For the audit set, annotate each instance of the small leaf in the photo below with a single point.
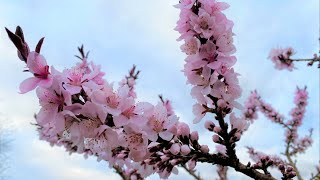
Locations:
(19, 33)
(38, 48)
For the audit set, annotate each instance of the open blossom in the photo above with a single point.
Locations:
(209, 45)
(281, 58)
(185, 4)
(37, 65)
(78, 76)
(203, 24)
(112, 101)
(52, 102)
(191, 46)
(159, 124)
(238, 123)
(136, 140)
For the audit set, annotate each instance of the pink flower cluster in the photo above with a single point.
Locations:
(281, 58)
(86, 114)
(208, 42)
(255, 103)
(251, 107)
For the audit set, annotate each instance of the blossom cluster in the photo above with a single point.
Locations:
(208, 42)
(281, 58)
(86, 114)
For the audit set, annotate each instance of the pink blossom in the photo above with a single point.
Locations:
(204, 149)
(203, 24)
(175, 148)
(38, 67)
(159, 123)
(281, 58)
(238, 123)
(191, 46)
(136, 140)
(185, 4)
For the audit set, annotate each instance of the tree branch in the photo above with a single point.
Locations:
(119, 171)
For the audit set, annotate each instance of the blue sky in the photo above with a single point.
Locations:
(121, 33)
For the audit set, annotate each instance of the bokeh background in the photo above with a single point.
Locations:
(122, 33)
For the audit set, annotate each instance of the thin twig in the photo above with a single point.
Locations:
(191, 172)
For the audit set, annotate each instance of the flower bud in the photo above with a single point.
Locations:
(194, 136)
(215, 138)
(217, 129)
(209, 125)
(292, 174)
(185, 150)
(204, 149)
(164, 158)
(289, 169)
(175, 148)
(191, 164)
(281, 167)
(183, 129)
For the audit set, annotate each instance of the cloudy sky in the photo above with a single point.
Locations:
(121, 33)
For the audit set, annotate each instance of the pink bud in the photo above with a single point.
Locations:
(292, 174)
(215, 138)
(194, 136)
(183, 129)
(174, 162)
(217, 129)
(164, 158)
(237, 135)
(185, 150)
(289, 169)
(191, 164)
(209, 125)
(133, 177)
(204, 148)
(281, 167)
(175, 148)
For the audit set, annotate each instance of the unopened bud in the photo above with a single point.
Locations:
(292, 174)
(194, 136)
(217, 129)
(175, 148)
(204, 149)
(216, 138)
(185, 150)
(183, 129)
(209, 125)
(289, 169)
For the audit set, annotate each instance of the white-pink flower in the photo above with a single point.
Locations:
(37, 65)
(159, 124)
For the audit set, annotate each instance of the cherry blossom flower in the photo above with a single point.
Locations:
(281, 58)
(37, 65)
(159, 123)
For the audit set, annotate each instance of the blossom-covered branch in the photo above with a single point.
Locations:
(282, 59)
(293, 144)
(86, 114)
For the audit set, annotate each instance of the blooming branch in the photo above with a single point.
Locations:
(282, 58)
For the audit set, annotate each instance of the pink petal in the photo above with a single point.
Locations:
(36, 63)
(29, 84)
(46, 83)
(166, 135)
(120, 120)
(72, 89)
